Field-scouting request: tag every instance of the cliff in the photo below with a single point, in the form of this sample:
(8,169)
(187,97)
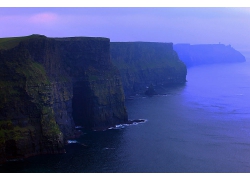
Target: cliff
(193,55)
(45,83)
(142,64)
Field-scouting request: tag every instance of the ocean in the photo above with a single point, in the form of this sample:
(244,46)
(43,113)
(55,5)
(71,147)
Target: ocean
(200,127)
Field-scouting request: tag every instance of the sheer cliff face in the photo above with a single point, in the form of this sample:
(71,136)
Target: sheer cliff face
(27,120)
(144,63)
(98,100)
(45,82)
(193,55)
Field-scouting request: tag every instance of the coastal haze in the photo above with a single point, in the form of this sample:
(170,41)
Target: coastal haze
(133,90)
(229,26)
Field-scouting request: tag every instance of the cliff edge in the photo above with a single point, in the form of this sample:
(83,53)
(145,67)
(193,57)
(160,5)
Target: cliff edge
(193,55)
(142,64)
(45,83)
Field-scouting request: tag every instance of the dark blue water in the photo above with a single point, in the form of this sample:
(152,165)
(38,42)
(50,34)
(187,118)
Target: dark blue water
(203,126)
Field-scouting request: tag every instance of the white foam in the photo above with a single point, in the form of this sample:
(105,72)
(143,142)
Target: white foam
(78,127)
(108,148)
(121,126)
(72,141)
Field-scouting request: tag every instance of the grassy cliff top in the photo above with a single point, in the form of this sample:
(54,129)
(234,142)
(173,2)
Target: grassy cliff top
(11,42)
(80,38)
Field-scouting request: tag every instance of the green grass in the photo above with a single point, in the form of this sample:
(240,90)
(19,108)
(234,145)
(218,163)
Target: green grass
(8,131)
(49,126)
(34,73)
(11,42)
(22,77)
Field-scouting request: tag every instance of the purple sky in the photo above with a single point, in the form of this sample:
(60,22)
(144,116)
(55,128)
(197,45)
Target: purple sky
(177,25)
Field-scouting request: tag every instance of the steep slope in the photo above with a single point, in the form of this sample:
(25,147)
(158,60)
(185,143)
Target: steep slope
(144,63)
(45,82)
(199,54)
(98,99)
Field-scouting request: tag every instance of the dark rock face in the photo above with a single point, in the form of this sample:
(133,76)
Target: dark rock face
(193,55)
(45,82)
(144,63)
(98,99)
(27,119)
(150,91)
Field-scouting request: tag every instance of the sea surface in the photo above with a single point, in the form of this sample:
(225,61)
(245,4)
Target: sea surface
(202,126)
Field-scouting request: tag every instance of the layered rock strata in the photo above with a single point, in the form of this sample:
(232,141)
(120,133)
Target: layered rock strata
(142,64)
(45,83)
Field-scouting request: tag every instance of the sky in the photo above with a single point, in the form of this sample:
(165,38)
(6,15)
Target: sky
(194,25)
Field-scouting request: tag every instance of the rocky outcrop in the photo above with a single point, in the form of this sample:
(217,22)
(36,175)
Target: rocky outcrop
(150,91)
(45,83)
(144,63)
(199,54)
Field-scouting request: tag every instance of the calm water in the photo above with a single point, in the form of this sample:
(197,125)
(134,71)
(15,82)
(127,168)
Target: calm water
(203,126)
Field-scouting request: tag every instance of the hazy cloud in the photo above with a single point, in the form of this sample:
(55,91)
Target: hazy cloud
(177,25)
(44,18)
